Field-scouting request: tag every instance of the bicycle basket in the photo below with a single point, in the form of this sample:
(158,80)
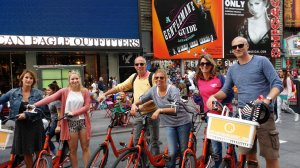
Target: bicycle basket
(231,130)
(4,137)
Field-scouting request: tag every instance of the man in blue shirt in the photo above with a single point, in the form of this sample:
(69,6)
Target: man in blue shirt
(254,76)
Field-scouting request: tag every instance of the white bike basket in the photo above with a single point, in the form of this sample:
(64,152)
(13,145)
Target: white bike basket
(231,130)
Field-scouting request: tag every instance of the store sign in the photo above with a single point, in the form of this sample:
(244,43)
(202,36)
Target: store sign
(291,13)
(297,43)
(51,41)
(237,17)
(294,52)
(184,29)
(275,28)
(292,45)
(89,24)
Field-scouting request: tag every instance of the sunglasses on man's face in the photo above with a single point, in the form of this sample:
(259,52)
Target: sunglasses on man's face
(139,64)
(237,46)
(205,63)
(160,77)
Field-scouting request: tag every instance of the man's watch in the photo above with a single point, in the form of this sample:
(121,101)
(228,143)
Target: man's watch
(269,98)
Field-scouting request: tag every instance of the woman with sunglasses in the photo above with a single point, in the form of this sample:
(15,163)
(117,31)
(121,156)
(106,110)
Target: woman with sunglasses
(177,127)
(209,83)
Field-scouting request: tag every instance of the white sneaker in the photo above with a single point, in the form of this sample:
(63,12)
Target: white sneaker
(278,121)
(296,117)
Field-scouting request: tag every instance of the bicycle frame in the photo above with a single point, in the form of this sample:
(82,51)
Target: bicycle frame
(109,141)
(56,161)
(46,149)
(230,155)
(157,160)
(10,162)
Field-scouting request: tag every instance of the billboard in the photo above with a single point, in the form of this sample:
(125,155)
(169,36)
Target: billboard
(183,29)
(250,19)
(292,13)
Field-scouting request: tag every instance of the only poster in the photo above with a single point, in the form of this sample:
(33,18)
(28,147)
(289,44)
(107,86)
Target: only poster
(250,19)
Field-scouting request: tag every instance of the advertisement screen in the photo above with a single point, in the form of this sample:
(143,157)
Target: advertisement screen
(184,29)
(249,19)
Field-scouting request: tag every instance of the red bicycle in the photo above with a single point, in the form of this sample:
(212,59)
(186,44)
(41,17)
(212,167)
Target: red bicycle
(100,156)
(45,160)
(189,156)
(135,156)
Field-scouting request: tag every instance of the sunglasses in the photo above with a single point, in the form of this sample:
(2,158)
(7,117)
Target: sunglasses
(205,63)
(159,77)
(237,46)
(139,64)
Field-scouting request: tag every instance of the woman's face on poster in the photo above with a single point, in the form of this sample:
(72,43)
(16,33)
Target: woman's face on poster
(257,7)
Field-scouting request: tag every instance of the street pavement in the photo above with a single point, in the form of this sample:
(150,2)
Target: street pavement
(288,129)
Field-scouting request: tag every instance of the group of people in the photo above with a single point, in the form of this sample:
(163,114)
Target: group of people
(29,136)
(252,75)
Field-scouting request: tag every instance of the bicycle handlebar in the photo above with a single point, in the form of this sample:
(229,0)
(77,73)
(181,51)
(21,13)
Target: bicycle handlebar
(176,103)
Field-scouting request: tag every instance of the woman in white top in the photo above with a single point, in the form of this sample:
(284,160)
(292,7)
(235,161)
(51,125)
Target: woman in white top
(285,95)
(75,100)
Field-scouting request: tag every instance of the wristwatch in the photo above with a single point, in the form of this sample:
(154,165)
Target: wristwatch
(269,98)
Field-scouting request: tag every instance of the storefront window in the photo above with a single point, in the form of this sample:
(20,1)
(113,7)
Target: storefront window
(11,67)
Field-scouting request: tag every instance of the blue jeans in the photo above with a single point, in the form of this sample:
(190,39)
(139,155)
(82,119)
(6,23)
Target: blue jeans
(51,134)
(217,151)
(177,137)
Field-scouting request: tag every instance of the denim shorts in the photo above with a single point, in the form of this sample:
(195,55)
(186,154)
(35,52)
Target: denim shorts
(268,139)
(76,125)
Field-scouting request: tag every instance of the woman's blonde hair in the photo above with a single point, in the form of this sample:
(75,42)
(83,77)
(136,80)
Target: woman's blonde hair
(208,58)
(23,74)
(73,72)
(161,71)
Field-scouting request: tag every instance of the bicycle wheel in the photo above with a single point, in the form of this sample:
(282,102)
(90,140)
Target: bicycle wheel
(189,161)
(99,157)
(128,159)
(44,162)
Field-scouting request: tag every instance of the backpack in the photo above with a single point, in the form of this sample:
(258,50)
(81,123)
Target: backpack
(101,86)
(149,80)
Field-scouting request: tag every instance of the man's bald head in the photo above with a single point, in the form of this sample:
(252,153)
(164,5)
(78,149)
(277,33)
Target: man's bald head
(140,58)
(240,39)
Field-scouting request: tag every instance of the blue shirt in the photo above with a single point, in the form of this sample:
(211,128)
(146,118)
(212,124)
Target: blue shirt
(257,77)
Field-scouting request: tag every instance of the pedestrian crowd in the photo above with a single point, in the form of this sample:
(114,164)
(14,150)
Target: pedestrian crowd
(152,94)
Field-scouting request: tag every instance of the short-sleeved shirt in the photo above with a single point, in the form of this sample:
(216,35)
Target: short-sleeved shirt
(172,95)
